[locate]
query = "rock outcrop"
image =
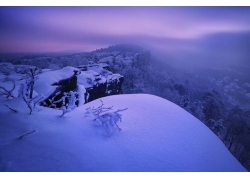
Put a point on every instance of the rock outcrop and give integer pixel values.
(90, 82)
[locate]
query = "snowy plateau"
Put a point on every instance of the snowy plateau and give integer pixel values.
(156, 136)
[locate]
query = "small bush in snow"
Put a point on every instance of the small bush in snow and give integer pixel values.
(106, 116)
(31, 102)
(68, 101)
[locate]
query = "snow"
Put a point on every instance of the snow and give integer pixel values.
(81, 91)
(46, 79)
(156, 136)
(113, 77)
(87, 78)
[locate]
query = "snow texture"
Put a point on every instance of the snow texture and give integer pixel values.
(156, 136)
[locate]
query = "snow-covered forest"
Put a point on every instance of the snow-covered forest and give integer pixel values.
(218, 96)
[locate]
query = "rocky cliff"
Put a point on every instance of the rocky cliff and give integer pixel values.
(89, 82)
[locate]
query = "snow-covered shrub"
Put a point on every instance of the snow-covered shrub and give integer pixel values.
(31, 75)
(26, 89)
(106, 116)
(81, 94)
(31, 102)
(68, 101)
(52, 101)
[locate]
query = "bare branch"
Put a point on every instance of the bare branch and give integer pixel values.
(100, 109)
(87, 108)
(14, 85)
(118, 127)
(101, 104)
(11, 108)
(8, 92)
(28, 104)
(26, 134)
(64, 112)
(106, 109)
(22, 93)
(119, 110)
(71, 104)
(37, 100)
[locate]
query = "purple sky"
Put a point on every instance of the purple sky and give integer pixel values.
(168, 29)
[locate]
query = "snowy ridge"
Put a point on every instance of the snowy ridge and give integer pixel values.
(156, 135)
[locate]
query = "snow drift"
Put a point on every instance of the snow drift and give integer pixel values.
(156, 136)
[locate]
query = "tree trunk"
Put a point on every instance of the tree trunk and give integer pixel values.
(31, 89)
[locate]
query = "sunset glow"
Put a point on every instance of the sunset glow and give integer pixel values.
(55, 29)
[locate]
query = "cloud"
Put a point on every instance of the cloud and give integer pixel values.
(67, 28)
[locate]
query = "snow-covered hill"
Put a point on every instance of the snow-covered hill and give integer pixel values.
(156, 135)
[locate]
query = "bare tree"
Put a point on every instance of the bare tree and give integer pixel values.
(31, 76)
(27, 88)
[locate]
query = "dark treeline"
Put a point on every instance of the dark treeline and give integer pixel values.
(217, 97)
